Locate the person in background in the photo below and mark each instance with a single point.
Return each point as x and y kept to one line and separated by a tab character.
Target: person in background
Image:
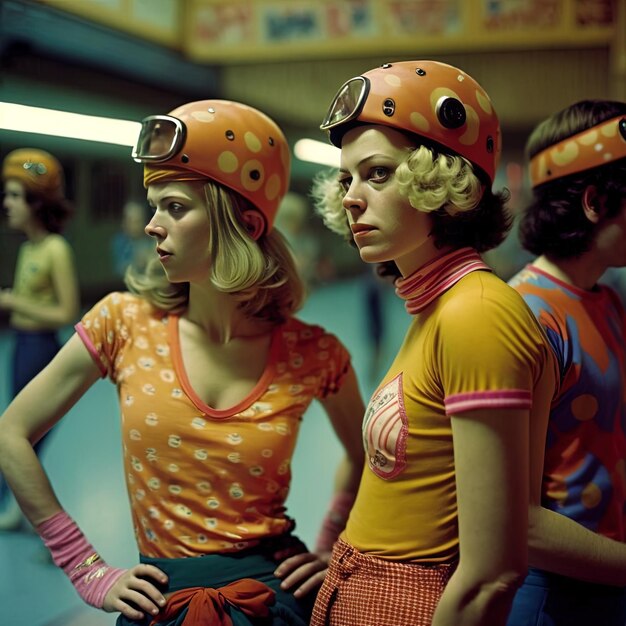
45	294
576	225
294	223
131	246
214	374
454	432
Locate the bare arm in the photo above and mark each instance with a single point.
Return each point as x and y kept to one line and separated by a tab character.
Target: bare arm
345	410
65	284
560	545
491	455
42	403
33	412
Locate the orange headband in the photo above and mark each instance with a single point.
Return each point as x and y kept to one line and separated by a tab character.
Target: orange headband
591	148
166	173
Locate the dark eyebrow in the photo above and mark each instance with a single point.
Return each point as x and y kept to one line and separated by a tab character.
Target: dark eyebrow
175	196
371	157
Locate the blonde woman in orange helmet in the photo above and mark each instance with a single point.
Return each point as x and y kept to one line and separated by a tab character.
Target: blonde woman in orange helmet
453	434
45	295
214	374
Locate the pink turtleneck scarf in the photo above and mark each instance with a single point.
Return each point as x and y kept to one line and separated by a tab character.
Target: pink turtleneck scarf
431	280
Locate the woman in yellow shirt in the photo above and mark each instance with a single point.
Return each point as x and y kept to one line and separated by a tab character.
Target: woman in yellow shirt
45	295
454	433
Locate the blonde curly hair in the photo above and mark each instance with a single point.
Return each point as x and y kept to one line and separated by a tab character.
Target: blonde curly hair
463	210
430	181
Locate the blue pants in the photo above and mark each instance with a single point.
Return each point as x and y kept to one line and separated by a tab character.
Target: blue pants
33	350
547	599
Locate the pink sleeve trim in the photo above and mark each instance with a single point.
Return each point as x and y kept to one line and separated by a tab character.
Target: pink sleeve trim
82	333
505	399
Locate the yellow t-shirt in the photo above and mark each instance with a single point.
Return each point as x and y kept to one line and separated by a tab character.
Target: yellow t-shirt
201	480
33	275
477	346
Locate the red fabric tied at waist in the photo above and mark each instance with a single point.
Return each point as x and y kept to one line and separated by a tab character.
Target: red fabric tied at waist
207	605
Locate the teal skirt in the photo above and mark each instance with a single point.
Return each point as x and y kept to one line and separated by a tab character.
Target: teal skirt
219	570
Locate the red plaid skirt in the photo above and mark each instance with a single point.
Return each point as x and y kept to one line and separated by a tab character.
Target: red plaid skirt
362	590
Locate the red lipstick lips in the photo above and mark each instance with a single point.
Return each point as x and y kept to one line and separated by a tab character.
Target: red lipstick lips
361	228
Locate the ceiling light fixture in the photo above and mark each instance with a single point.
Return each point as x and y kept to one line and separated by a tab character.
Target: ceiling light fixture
317	152
28	119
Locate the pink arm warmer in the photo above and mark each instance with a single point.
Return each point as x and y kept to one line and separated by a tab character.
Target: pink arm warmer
70	550
335	520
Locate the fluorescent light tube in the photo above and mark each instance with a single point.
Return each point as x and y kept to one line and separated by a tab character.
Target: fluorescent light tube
317	152
28	119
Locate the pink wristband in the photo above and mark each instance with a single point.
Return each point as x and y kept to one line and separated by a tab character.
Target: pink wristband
335	520
91	576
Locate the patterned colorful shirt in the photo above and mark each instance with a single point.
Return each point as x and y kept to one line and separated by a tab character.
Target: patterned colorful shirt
201	480
584	472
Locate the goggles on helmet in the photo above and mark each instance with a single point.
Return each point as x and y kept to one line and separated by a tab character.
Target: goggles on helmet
161	137
348	103
227	142
596	146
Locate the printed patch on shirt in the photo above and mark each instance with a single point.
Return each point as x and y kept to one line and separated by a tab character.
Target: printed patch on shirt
385	430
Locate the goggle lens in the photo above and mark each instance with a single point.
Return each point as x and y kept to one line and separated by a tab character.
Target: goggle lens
161	137
348	103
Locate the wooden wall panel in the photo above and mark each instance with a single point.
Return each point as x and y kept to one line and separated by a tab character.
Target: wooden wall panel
524	86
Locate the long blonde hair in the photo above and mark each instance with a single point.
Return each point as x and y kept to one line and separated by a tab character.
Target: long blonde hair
261	275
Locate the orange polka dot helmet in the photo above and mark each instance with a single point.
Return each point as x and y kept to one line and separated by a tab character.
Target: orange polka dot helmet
228	142
432	100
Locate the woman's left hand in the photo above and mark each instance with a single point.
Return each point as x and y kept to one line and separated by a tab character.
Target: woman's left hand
305	572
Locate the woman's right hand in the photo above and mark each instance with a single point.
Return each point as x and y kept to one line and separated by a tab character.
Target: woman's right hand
304	572
135	591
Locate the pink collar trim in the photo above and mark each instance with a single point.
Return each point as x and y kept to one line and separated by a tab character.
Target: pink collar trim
431	280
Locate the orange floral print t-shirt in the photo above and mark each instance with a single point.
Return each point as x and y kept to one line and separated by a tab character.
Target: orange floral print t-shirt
199	480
